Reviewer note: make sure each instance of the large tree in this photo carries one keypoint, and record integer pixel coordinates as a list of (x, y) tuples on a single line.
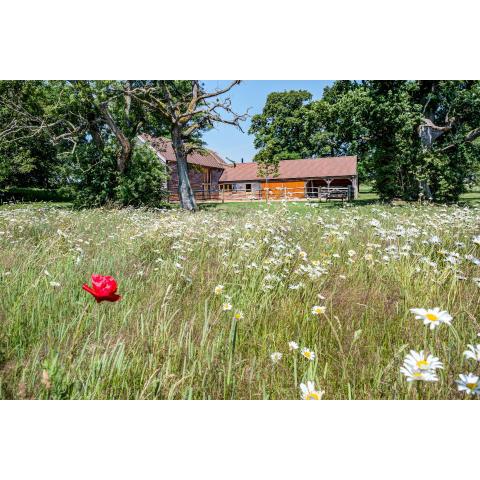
[(188, 109), (282, 131), (68, 112)]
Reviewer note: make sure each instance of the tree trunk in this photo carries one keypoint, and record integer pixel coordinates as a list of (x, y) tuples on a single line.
[(185, 192), (125, 144)]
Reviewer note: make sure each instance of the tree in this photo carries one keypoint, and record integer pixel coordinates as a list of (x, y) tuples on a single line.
[(292, 126), (413, 138), (421, 136), (187, 109), (25, 159), (282, 130)]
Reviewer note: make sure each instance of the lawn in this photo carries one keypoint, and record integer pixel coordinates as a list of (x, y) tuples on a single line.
[(174, 335)]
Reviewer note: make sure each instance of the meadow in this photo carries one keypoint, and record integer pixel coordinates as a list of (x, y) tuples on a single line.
[(239, 301)]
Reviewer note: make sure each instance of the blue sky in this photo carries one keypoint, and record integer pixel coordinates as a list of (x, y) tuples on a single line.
[(230, 142)]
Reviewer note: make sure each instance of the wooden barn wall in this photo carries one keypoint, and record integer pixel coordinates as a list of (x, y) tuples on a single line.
[(198, 177), (276, 189)]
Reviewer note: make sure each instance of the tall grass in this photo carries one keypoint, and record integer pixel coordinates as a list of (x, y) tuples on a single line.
[(169, 338)]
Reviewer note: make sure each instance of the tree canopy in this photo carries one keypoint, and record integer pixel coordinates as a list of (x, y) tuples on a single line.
[(413, 138)]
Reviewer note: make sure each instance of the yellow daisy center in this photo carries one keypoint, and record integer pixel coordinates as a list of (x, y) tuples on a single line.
[(432, 317), (417, 374), (472, 386), (312, 396), (307, 354), (422, 364)]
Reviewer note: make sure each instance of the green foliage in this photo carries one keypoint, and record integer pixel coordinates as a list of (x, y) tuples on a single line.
[(99, 183), (144, 182), (78, 135), (381, 122), (281, 131), (93, 176), (25, 160), (32, 194)]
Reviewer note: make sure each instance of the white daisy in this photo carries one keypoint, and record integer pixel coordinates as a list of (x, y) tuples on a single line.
[(309, 392), (469, 383), (276, 357), (238, 315), (432, 317), (219, 289), (473, 352), (227, 307), (292, 346), (413, 374), (54, 284), (476, 239), (318, 310), (420, 361), (308, 354)]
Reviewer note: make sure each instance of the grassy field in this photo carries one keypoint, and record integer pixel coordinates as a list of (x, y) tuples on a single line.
[(172, 337)]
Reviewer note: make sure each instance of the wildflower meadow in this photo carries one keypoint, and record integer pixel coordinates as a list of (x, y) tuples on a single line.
[(282, 301)]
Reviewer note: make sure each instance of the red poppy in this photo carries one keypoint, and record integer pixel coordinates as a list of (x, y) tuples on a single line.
[(103, 288)]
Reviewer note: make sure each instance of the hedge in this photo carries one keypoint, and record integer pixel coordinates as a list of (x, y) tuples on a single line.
[(24, 194)]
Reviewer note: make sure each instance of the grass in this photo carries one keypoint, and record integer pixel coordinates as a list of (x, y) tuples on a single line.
[(169, 338)]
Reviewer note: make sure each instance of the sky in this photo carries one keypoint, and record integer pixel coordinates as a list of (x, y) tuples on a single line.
[(250, 95)]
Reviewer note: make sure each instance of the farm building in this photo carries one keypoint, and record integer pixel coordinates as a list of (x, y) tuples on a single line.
[(204, 169), (212, 178), (329, 177)]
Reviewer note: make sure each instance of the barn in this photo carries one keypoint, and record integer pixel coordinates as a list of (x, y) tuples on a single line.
[(328, 177)]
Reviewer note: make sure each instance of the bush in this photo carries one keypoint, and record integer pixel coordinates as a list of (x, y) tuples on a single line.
[(94, 176), (144, 184)]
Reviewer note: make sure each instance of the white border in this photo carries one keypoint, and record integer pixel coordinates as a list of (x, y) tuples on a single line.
[(238, 440), (251, 39)]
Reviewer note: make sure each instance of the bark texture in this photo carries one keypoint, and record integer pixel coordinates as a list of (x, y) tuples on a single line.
[(125, 145), (185, 192)]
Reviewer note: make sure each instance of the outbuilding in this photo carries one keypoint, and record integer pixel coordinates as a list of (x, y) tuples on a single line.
[(328, 177)]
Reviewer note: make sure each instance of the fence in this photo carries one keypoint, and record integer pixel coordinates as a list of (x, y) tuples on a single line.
[(224, 194)]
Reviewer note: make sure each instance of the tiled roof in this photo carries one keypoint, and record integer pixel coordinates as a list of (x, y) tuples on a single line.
[(164, 148), (290, 169)]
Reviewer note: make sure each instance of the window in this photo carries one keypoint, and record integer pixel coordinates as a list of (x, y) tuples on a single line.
[(248, 187), (226, 186)]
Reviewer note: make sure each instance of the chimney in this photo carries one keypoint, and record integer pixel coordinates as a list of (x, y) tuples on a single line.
[(242, 159)]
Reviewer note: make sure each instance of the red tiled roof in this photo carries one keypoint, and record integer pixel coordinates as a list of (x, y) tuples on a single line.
[(290, 169), (164, 148)]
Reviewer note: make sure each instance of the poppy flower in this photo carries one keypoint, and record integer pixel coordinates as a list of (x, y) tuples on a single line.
[(103, 288)]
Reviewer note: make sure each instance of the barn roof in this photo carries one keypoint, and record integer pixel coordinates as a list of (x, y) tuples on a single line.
[(164, 148), (291, 169)]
